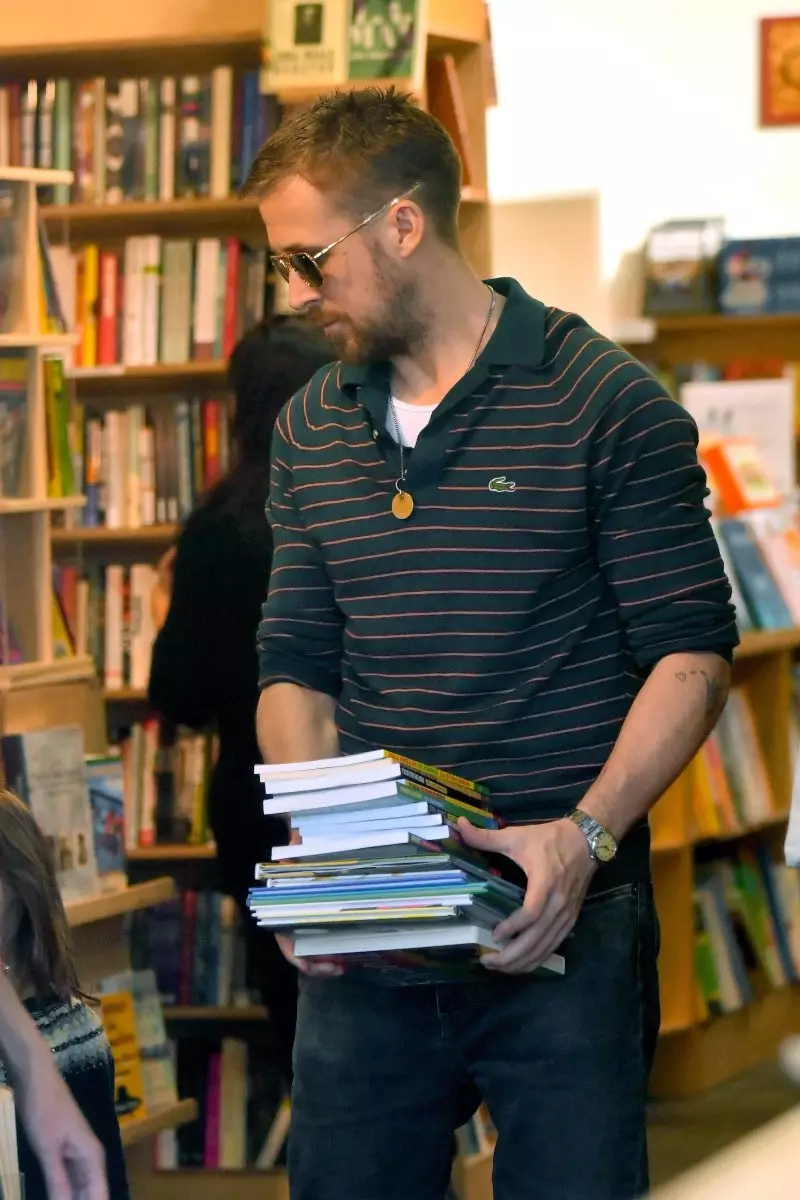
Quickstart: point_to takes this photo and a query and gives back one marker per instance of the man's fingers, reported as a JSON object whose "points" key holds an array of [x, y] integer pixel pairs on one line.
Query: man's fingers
{"points": [[494, 841], [530, 949], [534, 908], [57, 1179]]}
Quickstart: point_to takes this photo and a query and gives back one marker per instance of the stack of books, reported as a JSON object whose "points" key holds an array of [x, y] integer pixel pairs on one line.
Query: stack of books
{"points": [[376, 874]]}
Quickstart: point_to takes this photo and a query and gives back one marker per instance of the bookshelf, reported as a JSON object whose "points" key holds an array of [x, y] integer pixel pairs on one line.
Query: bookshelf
{"points": [[100, 944], [696, 1051]]}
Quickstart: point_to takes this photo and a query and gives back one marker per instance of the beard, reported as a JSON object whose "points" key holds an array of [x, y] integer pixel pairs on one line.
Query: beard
{"points": [[397, 328]]}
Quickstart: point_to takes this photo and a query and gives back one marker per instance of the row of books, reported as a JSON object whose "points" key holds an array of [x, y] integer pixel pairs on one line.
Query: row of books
{"points": [[195, 945], [691, 266], [136, 466], [138, 139], [15, 302], [133, 1019], [159, 300], [165, 784], [730, 785], [378, 871], [243, 1116], [747, 928], [761, 552], [106, 612]]}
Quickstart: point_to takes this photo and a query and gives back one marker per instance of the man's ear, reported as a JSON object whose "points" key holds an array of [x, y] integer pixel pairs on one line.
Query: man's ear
{"points": [[408, 227]]}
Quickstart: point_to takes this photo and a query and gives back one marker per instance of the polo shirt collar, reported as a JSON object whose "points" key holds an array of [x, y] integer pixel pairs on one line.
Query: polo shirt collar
{"points": [[518, 340]]}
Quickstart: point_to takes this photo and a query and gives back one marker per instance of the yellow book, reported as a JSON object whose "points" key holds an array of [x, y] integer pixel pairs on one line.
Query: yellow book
{"points": [[119, 1022], [90, 283]]}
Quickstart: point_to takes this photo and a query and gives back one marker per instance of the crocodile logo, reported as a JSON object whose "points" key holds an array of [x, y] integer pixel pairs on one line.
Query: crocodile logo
{"points": [[501, 484]]}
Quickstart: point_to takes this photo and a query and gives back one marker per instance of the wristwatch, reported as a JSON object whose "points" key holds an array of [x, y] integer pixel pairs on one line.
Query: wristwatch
{"points": [[602, 844]]}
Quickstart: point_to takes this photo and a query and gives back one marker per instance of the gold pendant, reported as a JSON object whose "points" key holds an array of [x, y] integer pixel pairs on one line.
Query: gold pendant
{"points": [[402, 505]]}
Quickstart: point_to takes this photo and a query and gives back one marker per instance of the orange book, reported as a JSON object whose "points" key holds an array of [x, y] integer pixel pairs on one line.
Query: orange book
{"points": [[740, 475]]}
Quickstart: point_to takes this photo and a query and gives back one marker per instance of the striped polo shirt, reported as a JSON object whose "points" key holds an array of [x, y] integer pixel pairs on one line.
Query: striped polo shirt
{"points": [[558, 548]]}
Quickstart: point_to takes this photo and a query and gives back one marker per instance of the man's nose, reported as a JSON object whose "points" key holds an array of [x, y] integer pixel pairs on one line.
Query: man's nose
{"points": [[301, 296]]}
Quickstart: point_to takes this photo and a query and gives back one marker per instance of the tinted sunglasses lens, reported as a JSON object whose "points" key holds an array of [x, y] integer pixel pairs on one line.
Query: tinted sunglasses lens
{"points": [[282, 267], [304, 266]]}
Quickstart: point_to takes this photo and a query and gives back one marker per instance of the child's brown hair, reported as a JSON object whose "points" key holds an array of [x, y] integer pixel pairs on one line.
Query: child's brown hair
{"points": [[39, 952]]}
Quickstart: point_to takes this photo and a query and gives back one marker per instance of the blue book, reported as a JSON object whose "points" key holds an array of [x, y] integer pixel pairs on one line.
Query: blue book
{"points": [[761, 593]]}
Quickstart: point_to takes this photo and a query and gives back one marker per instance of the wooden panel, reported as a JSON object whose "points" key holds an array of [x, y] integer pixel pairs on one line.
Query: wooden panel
{"points": [[673, 881], [101, 534], [103, 223], [25, 582], [670, 824], [108, 905], [718, 339], [696, 1059], [26, 709], [472, 1177], [206, 1185]]}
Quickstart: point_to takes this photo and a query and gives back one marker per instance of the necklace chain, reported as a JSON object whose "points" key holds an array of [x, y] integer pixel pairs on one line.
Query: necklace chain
{"points": [[392, 413]]}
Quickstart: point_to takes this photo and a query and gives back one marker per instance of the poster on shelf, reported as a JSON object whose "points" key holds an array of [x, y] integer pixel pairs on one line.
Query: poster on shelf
{"points": [[305, 45], [387, 41], [759, 409]]}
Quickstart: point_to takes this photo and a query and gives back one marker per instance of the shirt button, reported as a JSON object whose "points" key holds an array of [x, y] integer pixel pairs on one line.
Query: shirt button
{"points": [[375, 435]]}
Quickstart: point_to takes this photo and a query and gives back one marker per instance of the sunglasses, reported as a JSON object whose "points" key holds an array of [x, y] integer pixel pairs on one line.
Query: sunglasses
{"points": [[308, 267]]}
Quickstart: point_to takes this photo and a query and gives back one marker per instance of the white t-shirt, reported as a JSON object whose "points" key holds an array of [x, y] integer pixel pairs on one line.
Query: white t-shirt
{"points": [[411, 420]]}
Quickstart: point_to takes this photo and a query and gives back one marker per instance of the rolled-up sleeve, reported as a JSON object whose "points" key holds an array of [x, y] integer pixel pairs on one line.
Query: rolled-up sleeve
{"points": [[654, 542], [300, 632]]}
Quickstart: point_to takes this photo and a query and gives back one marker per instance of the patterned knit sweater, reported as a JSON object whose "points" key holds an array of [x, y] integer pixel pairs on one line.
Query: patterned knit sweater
{"points": [[78, 1042]]}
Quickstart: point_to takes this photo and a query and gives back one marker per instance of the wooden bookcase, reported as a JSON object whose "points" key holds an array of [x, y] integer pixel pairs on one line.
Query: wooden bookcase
{"points": [[693, 1054], [25, 551], [101, 948]]}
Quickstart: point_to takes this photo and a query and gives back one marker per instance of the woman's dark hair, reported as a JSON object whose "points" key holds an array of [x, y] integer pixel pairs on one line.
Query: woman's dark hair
{"points": [[39, 953], [266, 368]]}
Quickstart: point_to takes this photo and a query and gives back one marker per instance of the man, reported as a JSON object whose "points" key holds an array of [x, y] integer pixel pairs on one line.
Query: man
{"points": [[71, 1156], [491, 554]]}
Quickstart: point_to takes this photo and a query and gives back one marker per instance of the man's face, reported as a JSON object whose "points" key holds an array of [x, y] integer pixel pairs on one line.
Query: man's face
{"points": [[368, 305]]}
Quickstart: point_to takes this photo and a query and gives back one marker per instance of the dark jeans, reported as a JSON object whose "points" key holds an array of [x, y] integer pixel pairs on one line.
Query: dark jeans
{"points": [[384, 1075]]}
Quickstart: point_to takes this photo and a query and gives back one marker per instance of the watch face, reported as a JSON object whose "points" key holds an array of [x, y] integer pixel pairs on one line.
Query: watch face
{"points": [[604, 847]]}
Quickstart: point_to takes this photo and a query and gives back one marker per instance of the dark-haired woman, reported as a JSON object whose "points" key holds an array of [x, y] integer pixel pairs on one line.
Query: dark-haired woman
{"points": [[204, 669], [37, 962]]}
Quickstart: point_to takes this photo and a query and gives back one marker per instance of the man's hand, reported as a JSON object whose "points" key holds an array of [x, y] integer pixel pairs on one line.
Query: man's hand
{"points": [[329, 967], [555, 858], [72, 1159]]}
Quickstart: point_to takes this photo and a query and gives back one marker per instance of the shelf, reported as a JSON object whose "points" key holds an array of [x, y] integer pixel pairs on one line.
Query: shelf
{"points": [[38, 175], [171, 853], [667, 847], [208, 1184], [29, 504], [102, 535], [170, 1117], [713, 322], [43, 341], [197, 217], [770, 642], [714, 338], [161, 377], [115, 904], [691, 1060], [38, 674], [125, 695], [253, 1012]]}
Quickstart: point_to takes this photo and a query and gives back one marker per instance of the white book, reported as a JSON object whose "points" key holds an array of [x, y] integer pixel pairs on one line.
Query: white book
{"points": [[319, 847], [113, 627], [404, 937], [312, 781], [335, 820], [151, 298], [221, 121], [271, 770], [419, 825], [9, 1161], [336, 799], [166, 133], [133, 303]]}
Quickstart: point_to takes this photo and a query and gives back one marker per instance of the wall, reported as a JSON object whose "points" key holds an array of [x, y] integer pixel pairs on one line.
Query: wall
{"points": [[651, 103]]}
